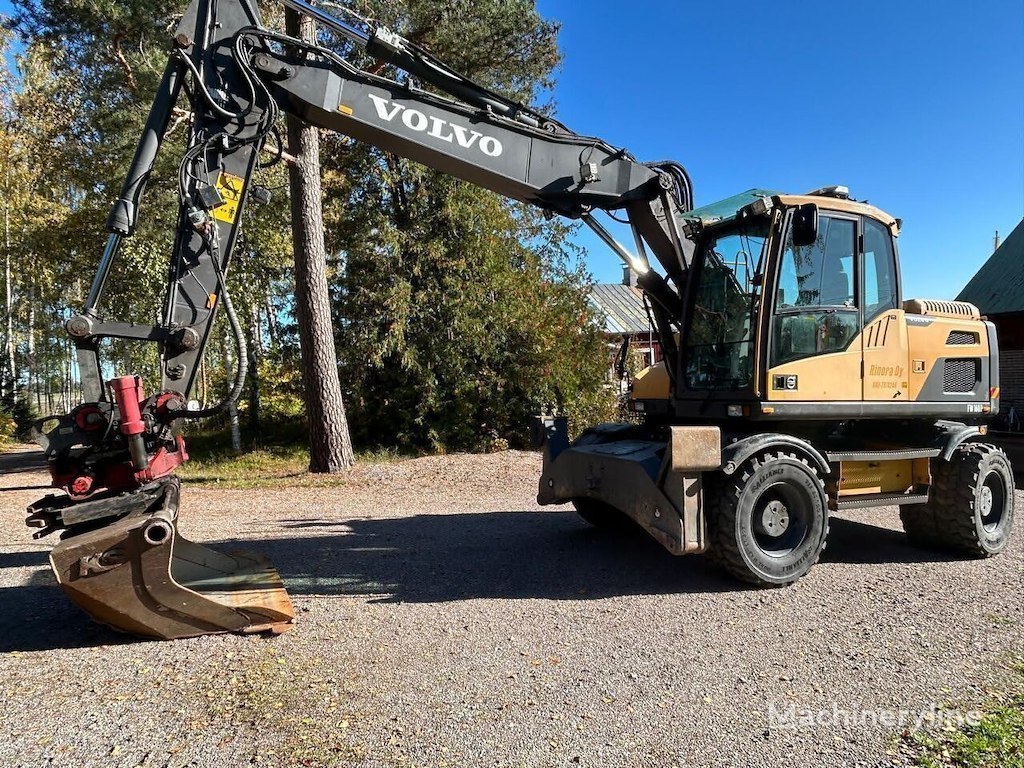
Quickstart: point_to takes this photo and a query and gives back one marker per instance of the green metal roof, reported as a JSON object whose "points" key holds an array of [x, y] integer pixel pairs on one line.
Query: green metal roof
{"points": [[725, 210], [999, 285]]}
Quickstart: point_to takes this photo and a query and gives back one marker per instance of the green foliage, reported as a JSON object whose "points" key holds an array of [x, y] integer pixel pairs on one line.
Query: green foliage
{"points": [[17, 417], [25, 416], [37, 107], [503, 44], [472, 322]]}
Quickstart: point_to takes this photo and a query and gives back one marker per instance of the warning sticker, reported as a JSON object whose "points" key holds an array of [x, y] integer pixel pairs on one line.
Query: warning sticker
{"points": [[230, 188]]}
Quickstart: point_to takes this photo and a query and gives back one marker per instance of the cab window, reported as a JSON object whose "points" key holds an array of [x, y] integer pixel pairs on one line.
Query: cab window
{"points": [[720, 336], [880, 293], [815, 306]]}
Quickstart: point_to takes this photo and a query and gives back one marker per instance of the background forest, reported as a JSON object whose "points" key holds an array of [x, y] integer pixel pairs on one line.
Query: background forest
{"points": [[457, 314]]}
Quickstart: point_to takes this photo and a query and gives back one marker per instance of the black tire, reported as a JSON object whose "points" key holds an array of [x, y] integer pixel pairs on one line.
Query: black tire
{"points": [[971, 507], [768, 522], [604, 516]]}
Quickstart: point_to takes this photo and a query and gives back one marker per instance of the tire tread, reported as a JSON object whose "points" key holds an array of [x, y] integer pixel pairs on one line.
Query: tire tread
{"points": [[723, 497], [947, 521]]}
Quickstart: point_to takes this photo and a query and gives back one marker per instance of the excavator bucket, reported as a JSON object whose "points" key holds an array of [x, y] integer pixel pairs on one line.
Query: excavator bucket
{"points": [[139, 575]]}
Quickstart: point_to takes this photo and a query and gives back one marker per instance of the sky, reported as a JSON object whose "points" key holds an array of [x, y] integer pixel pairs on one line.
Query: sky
{"points": [[915, 105]]}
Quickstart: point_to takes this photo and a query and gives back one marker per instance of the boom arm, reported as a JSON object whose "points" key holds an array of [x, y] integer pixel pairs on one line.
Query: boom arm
{"points": [[121, 557], [241, 75]]}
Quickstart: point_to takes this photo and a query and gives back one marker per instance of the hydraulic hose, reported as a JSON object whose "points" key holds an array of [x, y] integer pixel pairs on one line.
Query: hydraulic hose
{"points": [[681, 181]]}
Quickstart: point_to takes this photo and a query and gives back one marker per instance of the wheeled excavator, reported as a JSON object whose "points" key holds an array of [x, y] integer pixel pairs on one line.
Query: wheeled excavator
{"points": [[796, 381]]}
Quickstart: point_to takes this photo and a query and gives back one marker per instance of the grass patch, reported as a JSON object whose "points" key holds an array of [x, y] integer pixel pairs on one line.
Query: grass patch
{"points": [[267, 467], [282, 461], [996, 742]]}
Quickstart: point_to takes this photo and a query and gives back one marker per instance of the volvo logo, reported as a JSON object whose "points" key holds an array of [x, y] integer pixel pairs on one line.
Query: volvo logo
{"points": [[436, 128]]}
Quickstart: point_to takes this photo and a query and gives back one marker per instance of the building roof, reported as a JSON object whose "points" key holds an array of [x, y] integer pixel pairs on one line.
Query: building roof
{"points": [[999, 285], [622, 307]]}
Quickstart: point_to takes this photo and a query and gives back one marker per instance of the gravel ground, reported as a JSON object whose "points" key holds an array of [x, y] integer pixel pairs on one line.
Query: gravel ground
{"points": [[444, 620]]}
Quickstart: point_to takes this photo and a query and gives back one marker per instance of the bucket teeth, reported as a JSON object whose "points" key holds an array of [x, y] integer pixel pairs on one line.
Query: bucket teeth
{"points": [[139, 575]]}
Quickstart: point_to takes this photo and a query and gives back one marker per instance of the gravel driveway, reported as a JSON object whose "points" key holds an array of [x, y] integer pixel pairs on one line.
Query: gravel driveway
{"points": [[444, 620]]}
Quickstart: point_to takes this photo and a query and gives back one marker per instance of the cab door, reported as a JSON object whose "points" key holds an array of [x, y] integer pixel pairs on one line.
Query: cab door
{"points": [[816, 352], [884, 339]]}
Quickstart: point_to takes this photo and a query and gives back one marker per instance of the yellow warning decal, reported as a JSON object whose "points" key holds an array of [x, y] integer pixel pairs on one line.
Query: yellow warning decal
{"points": [[230, 188]]}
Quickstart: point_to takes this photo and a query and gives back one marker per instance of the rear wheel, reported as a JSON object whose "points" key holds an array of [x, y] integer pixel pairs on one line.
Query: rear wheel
{"points": [[768, 522], [604, 516], [971, 507]]}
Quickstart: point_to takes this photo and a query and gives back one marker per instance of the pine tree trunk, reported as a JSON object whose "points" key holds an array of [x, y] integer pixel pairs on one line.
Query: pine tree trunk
{"points": [[330, 447]]}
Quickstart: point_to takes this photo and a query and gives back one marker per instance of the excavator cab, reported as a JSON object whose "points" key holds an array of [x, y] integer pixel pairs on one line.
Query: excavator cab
{"points": [[794, 312]]}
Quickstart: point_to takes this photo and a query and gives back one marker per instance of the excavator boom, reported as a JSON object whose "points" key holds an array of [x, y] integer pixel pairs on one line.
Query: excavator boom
{"points": [[121, 556]]}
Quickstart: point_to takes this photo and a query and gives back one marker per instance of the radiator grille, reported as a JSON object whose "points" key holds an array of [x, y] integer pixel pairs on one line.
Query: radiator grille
{"points": [[960, 375], [962, 337]]}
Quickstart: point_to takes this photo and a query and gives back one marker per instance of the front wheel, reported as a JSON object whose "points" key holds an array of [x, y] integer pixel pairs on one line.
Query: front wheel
{"points": [[769, 521]]}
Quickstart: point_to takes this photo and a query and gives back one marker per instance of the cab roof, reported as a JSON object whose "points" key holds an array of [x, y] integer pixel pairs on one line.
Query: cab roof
{"points": [[728, 209], [839, 204]]}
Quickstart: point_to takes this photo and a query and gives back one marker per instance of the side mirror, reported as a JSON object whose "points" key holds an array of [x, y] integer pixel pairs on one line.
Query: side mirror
{"points": [[805, 225]]}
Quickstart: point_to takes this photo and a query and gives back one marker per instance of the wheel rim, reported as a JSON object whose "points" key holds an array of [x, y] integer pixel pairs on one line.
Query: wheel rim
{"points": [[992, 502], [781, 520]]}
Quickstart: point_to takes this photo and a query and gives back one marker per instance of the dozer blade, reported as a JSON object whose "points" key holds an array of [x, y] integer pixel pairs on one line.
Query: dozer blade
{"points": [[140, 575]]}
